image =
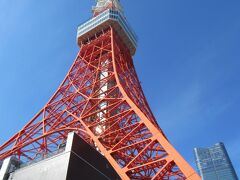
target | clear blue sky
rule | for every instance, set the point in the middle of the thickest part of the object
(188, 61)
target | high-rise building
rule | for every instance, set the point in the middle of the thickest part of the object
(213, 163)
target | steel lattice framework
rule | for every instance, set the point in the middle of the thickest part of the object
(102, 101)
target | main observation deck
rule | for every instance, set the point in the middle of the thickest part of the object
(101, 22)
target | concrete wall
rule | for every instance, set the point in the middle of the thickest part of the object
(88, 164)
(54, 168)
(79, 161)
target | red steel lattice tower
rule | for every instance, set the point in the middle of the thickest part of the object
(102, 101)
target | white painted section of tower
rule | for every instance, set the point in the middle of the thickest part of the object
(101, 4)
(104, 87)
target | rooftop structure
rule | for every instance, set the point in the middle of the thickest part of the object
(108, 17)
(76, 160)
(103, 5)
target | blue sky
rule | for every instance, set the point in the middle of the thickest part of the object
(188, 61)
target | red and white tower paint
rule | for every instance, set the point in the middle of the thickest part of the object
(102, 101)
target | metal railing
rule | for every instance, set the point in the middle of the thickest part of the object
(41, 157)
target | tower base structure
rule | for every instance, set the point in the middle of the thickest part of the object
(75, 160)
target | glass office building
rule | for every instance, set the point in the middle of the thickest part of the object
(213, 163)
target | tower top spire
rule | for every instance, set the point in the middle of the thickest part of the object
(102, 5)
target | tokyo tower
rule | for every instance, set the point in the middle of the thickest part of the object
(102, 101)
